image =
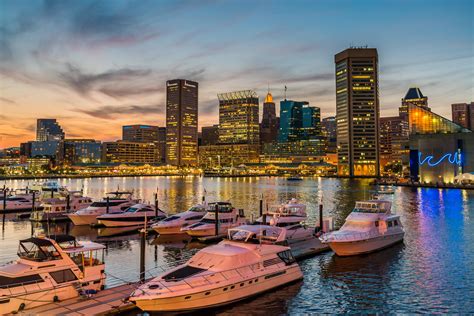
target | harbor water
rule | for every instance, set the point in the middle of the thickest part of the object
(432, 271)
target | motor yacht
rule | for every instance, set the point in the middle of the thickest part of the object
(369, 227)
(173, 223)
(228, 217)
(18, 202)
(58, 208)
(289, 216)
(135, 215)
(114, 202)
(252, 261)
(50, 269)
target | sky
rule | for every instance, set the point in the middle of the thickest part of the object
(98, 65)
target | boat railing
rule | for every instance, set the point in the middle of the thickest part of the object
(350, 237)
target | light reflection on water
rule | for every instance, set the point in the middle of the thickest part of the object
(432, 271)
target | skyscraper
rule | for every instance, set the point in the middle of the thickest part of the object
(328, 130)
(270, 122)
(463, 114)
(238, 117)
(357, 112)
(298, 121)
(415, 97)
(48, 130)
(181, 122)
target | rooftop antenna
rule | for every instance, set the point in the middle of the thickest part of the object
(286, 88)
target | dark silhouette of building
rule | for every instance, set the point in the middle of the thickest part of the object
(298, 121)
(48, 130)
(328, 130)
(463, 114)
(357, 112)
(210, 135)
(181, 122)
(270, 122)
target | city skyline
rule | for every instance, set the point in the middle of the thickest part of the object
(106, 64)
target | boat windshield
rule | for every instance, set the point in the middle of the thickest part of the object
(197, 209)
(36, 249)
(222, 207)
(362, 207)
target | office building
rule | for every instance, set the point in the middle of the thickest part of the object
(414, 97)
(298, 121)
(328, 130)
(463, 114)
(181, 122)
(270, 122)
(48, 130)
(393, 136)
(238, 117)
(295, 152)
(210, 135)
(82, 151)
(357, 112)
(228, 155)
(130, 152)
(140, 133)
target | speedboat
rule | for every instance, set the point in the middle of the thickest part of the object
(50, 269)
(135, 215)
(250, 262)
(114, 202)
(173, 223)
(294, 178)
(228, 217)
(289, 216)
(369, 227)
(58, 208)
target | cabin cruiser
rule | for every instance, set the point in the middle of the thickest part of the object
(18, 202)
(290, 217)
(370, 227)
(114, 202)
(135, 215)
(58, 208)
(50, 269)
(253, 260)
(173, 223)
(228, 217)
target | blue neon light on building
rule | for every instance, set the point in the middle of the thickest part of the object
(453, 158)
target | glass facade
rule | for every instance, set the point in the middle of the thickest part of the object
(130, 152)
(413, 97)
(422, 121)
(48, 130)
(298, 121)
(77, 151)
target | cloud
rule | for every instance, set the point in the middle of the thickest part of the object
(113, 111)
(6, 100)
(311, 77)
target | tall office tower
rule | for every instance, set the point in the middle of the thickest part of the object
(140, 133)
(415, 97)
(298, 121)
(463, 114)
(328, 130)
(238, 117)
(48, 130)
(357, 112)
(210, 135)
(270, 122)
(181, 122)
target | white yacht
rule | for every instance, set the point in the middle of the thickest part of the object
(173, 223)
(228, 217)
(370, 227)
(118, 202)
(135, 215)
(250, 262)
(19, 202)
(57, 208)
(289, 216)
(50, 269)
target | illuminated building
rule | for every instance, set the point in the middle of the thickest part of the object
(463, 114)
(181, 122)
(413, 97)
(328, 130)
(238, 117)
(130, 152)
(86, 151)
(440, 149)
(298, 121)
(270, 122)
(48, 130)
(210, 135)
(228, 155)
(140, 133)
(310, 150)
(393, 136)
(357, 112)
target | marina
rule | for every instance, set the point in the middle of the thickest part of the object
(324, 272)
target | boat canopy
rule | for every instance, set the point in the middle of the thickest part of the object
(257, 234)
(223, 257)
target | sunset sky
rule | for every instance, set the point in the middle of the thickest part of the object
(97, 65)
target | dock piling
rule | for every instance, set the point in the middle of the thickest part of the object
(142, 254)
(217, 220)
(107, 205)
(261, 207)
(68, 203)
(321, 217)
(156, 205)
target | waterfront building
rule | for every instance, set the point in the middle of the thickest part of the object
(270, 122)
(357, 112)
(413, 97)
(130, 152)
(300, 151)
(393, 137)
(440, 150)
(463, 114)
(238, 117)
(329, 132)
(82, 151)
(228, 155)
(181, 122)
(140, 133)
(298, 121)
(210, 135)
(48, 130)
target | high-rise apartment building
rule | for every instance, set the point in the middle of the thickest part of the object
(415, 97)
(463, 114)
(238, 117)
(181, 122)
(270, 122)
(48, 130)
(298, 121)
(357, 112)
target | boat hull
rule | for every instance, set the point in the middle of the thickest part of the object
(83, 219)
(353, 248)
(169, 230)
(120, 223)
(218, 296)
